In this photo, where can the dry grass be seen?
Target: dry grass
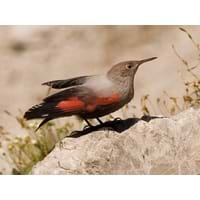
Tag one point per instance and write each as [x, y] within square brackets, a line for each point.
[171, 105]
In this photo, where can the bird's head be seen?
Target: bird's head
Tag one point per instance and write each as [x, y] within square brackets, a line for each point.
[126, 69]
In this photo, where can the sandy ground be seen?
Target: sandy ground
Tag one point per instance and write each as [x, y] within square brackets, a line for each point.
[30, 55]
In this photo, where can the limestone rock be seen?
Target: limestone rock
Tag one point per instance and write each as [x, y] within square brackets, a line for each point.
[161, 146]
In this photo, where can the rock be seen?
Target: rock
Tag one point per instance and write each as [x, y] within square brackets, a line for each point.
[161, 146]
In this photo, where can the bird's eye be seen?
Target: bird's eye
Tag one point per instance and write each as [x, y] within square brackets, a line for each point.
[129, 66]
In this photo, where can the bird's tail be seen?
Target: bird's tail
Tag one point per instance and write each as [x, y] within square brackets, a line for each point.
[45, 110]
[64, 103]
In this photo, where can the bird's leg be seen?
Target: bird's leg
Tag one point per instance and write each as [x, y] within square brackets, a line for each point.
[89, 124]
[107, 124]
[99, 121]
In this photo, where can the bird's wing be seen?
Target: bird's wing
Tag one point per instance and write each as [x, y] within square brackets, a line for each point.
[81, 99]
[72, 101]
[59, 84]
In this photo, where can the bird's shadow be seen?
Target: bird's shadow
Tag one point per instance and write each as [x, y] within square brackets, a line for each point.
[117, 125]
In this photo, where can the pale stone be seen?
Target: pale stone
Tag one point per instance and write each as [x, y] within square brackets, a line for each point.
[161, 146]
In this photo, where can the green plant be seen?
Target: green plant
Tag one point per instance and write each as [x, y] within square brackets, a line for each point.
[23, 152]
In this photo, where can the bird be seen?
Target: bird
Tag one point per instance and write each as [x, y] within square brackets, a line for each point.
[89, 97]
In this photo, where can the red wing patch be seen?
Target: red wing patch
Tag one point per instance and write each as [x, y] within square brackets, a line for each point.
[107, 100]
[71, 104]
[75, 104]
[102, 101]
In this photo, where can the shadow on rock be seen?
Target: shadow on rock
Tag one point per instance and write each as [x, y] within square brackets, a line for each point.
[117, 125]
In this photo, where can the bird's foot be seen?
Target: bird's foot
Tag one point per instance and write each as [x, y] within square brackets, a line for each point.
[110, 125]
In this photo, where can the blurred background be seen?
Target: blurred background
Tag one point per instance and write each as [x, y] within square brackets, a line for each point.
[31, 55]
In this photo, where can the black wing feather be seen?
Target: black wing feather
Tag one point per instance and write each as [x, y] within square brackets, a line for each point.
[48, 109]
[59, 84]
[43, 122]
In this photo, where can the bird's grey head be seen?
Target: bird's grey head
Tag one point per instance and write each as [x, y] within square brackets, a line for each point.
[127, 69]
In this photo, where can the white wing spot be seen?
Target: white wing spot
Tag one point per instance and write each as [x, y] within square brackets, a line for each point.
[45, 115]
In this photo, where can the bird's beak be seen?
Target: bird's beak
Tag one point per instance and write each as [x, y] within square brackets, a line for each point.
[145, 60]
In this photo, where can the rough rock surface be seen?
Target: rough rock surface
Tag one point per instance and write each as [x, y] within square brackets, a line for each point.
[161, 146]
